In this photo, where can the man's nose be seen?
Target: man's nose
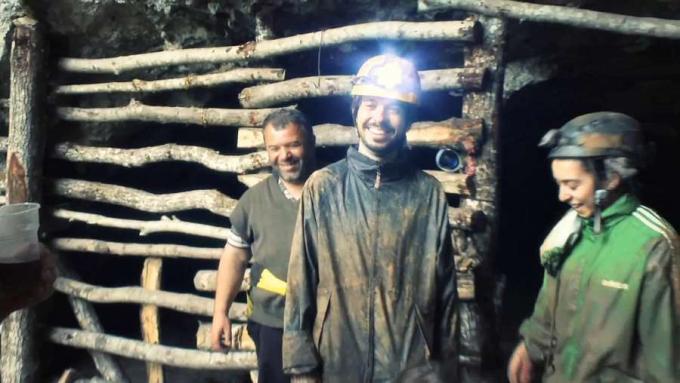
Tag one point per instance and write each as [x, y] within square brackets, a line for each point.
[562, 195]
[378, 114]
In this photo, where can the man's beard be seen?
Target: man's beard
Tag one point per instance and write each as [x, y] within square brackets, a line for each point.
[383, 150]
[298, 176]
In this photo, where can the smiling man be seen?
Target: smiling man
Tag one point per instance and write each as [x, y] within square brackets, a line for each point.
[371, 282]
[609, 307]
[261, 230]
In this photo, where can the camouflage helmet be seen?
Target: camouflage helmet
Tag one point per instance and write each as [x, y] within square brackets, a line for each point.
[390, 77]
[595, 135]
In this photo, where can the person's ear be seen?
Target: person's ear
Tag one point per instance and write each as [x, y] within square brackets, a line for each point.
[614, 181]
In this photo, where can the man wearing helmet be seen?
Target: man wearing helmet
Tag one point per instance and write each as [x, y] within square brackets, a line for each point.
[609, 307]
[371, 282]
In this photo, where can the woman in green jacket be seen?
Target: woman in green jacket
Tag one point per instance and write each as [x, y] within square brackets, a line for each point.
[609, 307]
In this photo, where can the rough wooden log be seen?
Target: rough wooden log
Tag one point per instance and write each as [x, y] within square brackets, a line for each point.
[165, 225]
[386, 30]
[136, 111]
[18, 354]
[425, 133]
[151, 332]
[582, 18]
[211, 200]
[206, 280]
[453, 183]
[239, 75]
[209, 158]
[241, 340]
[88, 320]
[171, 356]
[3, 144]
[260, 96]
[186, 303]
[135, 249]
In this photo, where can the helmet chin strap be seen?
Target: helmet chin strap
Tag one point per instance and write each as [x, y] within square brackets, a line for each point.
[601, 194]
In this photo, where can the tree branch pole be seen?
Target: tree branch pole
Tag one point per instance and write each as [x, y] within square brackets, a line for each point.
[186, 303]
[135, 249]
[211, 200]
[165, 225]
[206, 280]
[240, 75]
[3, 144]
[170, 356]
[425, 133]
[136, 111]
[149, 316]
[386, 30]
[209, 158]
[86, 316]
[25, 147]
[582, 18]
[260, 96]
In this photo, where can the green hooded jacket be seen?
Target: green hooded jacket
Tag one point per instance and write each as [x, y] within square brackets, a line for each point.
[371, 280]
[611, 312]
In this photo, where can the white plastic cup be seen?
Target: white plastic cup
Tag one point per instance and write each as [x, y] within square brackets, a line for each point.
[18, 231]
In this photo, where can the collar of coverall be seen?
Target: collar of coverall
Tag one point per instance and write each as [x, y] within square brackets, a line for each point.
[367, 168]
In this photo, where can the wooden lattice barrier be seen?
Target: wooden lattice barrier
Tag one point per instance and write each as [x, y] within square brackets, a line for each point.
[271, 90]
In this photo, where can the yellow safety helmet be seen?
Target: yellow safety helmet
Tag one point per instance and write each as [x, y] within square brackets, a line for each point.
[388, 76]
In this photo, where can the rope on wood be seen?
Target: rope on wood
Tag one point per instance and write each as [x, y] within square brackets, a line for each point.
[135, 249]
[135, 349]
[260, 96]
[165, 225]
[209, 158]
[386, 30]
[240, 75]
[211, 200]
[583, 18]
[136, 111]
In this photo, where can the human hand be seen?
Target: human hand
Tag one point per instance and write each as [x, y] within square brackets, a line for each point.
[520, 367]
[220, 332]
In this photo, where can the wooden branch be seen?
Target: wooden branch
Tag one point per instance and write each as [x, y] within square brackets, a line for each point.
[206, 280]
[135, 249]
[306, 87]
[165, 225]
[583, 18]
[171, 356]
[209, 158]
[186, 303]
[386, 30]
[240, 75]
[239, 334]
[426, 133]
[3, 144]
[453, 183]
[211, 200]
[151, 332]
[18, 342]
[88, 320]
[136, 111]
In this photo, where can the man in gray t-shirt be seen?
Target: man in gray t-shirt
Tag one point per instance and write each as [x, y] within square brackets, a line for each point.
[261, 232]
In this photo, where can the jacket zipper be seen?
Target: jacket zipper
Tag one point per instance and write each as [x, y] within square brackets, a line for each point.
[372, 285]
[377, 183]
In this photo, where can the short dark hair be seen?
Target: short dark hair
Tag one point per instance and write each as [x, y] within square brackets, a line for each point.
[410, 110]
[279, 119]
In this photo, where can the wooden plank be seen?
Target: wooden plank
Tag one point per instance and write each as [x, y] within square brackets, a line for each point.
[135, 249]
[151, 332]
[169, 356]
[425, 133]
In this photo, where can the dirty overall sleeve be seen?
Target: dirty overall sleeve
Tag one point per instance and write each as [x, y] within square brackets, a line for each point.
[535, 330]
[446, 347]
[659, 319]
[299, 353]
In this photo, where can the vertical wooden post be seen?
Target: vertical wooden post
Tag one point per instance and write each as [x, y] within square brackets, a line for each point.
[478, 341]
[151, 279]
[19, 363]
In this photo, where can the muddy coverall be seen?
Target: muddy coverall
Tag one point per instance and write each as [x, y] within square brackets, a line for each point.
[610, 313]
[371, 280]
